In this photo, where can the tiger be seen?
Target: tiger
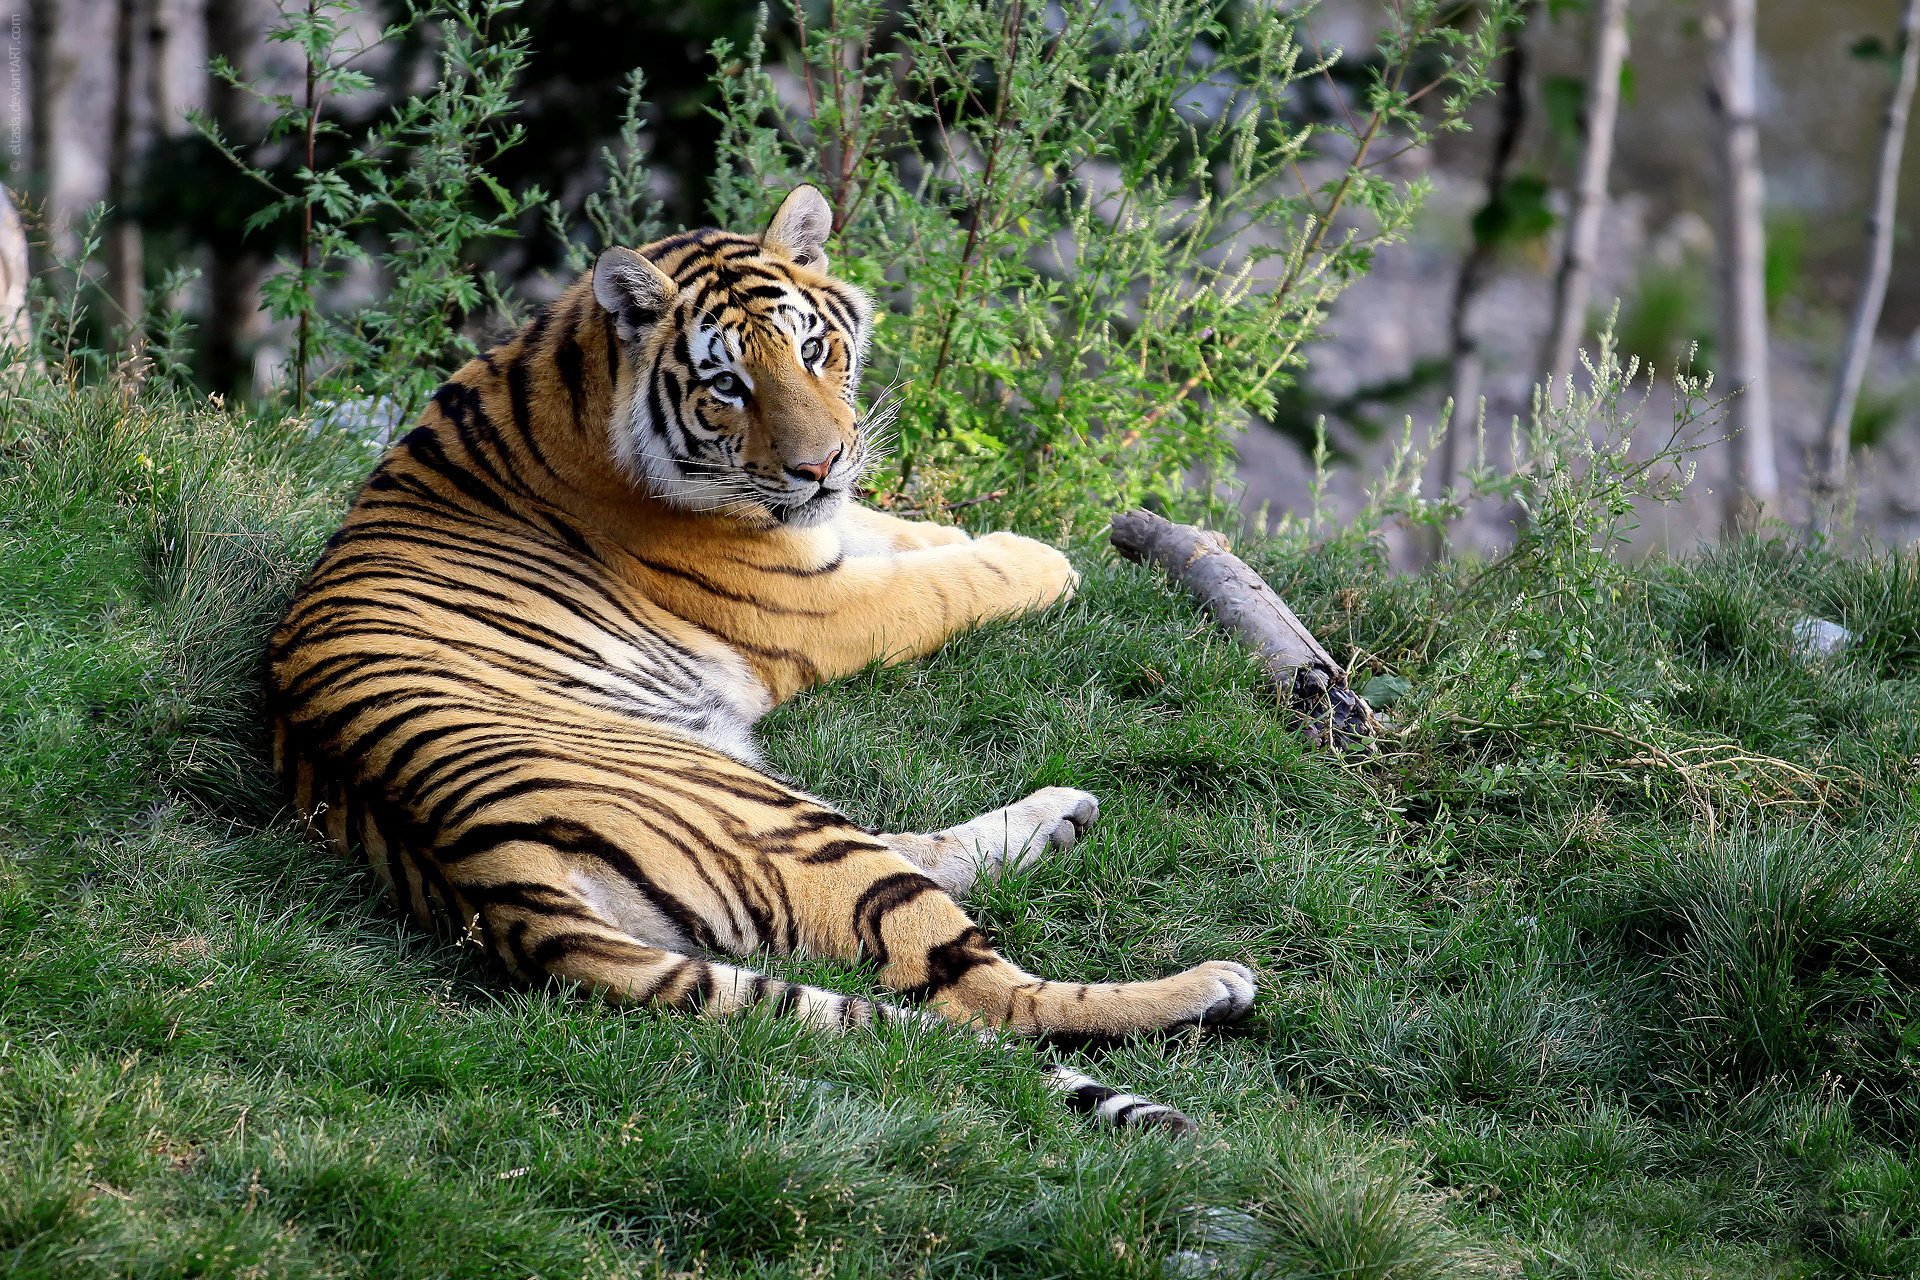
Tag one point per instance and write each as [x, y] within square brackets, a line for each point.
[522, 677]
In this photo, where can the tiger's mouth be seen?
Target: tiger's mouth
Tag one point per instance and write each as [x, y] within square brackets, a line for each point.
[821, 506]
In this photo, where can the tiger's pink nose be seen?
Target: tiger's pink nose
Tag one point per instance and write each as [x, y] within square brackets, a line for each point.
[815, 470]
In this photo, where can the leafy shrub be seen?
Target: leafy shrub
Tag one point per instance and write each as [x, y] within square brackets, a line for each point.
[1106, 233]
[408, 205]
[1091, 223]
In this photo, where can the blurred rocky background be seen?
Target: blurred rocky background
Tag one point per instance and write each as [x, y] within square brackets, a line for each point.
[97, 93]
[1823, 82]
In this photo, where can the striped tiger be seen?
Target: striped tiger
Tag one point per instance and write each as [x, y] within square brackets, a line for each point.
[521, 679]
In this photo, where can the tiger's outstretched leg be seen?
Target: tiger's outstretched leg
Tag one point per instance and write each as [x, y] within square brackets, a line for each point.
[566, 938]
[1049, 819]
[866, 900]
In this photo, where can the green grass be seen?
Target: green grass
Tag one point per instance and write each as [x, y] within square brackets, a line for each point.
[1609, 966]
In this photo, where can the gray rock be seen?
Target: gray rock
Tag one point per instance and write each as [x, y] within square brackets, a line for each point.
[374, 419]
[1818, 638]
[1188, 1264]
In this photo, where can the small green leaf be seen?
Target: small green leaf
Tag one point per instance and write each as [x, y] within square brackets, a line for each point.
[1383, 691]
[1516, 215]
[492, 184]
[1564, 99]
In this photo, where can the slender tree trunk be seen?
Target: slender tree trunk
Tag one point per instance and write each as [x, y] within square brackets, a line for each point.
[1574, 281]
[43, 84]
[160, 102]
[1830, 470]
[40, 81]
[233, 271]
[125, 268]
[1464, 339]
[159, 95]
[1754, 485]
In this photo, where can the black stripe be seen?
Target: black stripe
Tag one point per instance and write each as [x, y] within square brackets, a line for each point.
[1089, 1096]
[953, 960]
[570, 361]
[879, 900]
[573, 837]
[835, 851]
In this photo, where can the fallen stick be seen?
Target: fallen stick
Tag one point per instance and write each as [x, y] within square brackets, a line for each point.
[1305, 674]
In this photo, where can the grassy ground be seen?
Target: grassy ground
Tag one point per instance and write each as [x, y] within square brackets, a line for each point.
[1606, 967]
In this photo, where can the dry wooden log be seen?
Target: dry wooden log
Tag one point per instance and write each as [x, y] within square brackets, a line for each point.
[1303, 672]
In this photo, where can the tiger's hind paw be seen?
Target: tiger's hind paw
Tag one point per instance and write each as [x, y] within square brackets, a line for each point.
[1049, 819]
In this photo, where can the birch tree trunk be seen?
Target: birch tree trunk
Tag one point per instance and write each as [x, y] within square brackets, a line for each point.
[16, 325]
[1754, 483]
[1573, 283]
[1830, 470]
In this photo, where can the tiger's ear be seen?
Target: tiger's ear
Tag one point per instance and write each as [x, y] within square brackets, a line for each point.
[632, 290]
[800, 227]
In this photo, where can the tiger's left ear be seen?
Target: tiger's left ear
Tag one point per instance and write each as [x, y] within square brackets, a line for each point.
[632, 290]
[800, 227]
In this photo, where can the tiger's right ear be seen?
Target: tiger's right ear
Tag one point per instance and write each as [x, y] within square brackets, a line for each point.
[632, 290]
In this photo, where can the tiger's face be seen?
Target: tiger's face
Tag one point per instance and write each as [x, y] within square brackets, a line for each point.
[744, 360]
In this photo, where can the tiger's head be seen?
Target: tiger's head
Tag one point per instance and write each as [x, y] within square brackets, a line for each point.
[742, 366]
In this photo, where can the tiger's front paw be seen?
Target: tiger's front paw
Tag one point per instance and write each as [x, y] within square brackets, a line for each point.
[1036, 574]
[923, 535]
[1220, 991]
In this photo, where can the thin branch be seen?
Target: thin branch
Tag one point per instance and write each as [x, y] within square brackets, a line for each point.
[1322, 224]
[1464, 341]
[978, 212]
[1305, 676]
[303, 340]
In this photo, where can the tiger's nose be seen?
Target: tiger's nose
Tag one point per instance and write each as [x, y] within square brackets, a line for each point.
[815, 470]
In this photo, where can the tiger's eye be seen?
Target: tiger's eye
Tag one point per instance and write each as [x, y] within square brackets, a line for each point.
[811, 349]
[728, 384]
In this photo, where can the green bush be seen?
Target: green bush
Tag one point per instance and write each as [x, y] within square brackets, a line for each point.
[410, 203]
[1092, 225]
[1104, 233]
